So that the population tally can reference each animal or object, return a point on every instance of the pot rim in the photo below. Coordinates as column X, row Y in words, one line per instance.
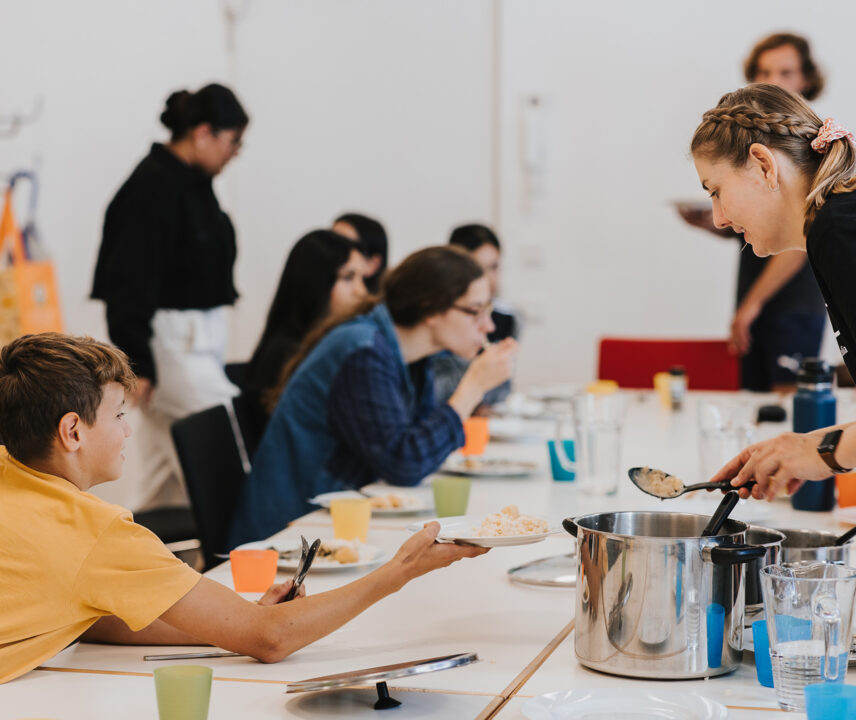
column 772, row 531
column 658, row 538
column 832, row 536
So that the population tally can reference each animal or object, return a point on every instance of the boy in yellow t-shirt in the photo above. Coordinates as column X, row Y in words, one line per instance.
column 76, row 567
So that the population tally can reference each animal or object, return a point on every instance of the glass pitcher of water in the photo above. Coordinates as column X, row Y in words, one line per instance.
column 809, row 609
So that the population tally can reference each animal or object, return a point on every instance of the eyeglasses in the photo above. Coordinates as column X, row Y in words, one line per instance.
column 478, row 313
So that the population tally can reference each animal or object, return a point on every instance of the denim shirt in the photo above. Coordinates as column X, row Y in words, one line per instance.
column 353, row 413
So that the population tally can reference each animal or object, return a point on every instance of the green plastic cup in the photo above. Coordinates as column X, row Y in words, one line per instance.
column 183, row 692
column 451, row 495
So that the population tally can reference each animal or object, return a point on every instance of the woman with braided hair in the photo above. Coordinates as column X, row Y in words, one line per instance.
column 779, row 310
column 784, row 178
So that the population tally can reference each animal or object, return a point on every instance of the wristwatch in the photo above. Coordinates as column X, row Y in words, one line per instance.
column 826, row 450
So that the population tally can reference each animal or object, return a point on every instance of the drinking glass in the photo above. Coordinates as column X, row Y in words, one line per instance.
column 253, row 570
column 809, row 610
column 451, row 495
column 597, row 421
column 724, row 430
column 183, row 691
column 351, row 518
column 476, row 435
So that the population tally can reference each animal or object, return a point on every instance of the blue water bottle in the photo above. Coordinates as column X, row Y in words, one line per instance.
column 814, row 407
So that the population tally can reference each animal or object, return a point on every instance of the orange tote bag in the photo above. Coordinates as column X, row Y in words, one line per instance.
column 29, row 301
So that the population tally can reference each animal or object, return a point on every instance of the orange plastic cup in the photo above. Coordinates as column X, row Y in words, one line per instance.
column 253, row 570
column 476, row 435
column 846, row 484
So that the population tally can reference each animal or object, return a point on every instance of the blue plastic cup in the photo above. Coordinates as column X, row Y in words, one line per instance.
column 559, row 473
column 715, row 634
column 830, row 701
column 763, row 665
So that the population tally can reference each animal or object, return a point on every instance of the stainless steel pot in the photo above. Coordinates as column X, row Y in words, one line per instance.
column 771, row 540
column 654, row 599
column 813, row 545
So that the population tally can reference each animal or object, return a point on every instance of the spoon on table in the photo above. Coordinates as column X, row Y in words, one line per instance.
column 646, row 479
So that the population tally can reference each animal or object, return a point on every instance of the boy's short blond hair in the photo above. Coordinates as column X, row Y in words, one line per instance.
column 45, row 376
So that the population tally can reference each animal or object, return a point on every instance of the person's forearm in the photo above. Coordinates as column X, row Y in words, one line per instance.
column 775, row 275
column 271, row 632
column 845, row 453
column 465, row 399
column 110, row 629
column 301, row 623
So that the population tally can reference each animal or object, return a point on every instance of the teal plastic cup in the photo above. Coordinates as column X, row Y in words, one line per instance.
column 183, row 692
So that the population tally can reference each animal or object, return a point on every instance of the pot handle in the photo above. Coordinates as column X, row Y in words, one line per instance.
column 736, row 554
column 570, row 526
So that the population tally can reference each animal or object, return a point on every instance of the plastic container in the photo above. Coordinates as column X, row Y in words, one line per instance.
column 814, row 407
column 677, row 386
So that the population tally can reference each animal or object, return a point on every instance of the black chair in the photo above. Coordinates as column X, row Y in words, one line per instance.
column 251, row 421
column 215, row 468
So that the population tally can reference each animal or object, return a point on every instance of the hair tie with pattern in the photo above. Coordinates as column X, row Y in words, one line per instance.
column 829, row 132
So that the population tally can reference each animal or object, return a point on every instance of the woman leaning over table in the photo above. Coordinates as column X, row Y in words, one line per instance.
column 785, row 179
column 165, row 273
column 359, row 400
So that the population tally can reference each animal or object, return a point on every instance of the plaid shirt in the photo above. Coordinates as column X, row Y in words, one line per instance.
column 353, row 413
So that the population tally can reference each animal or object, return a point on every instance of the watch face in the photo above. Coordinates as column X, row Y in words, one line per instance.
column 829, row 442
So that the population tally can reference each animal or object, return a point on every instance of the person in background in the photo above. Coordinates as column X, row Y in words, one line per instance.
column 483, row 245
column 780, row 310
column 785, row 179
column 164, row 271
column 358, row 403
column 372, row 237
column 77, row 568
column 322, row 277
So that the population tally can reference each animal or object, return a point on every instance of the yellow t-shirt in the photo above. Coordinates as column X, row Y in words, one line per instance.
column 68, row 558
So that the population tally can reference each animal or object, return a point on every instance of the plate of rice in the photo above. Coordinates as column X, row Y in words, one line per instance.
column 500, row 529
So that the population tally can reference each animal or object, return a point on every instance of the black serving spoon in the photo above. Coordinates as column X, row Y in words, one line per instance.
column 640, row 477
column 720, row 515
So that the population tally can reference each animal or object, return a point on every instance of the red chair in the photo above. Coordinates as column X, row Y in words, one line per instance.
column 633, row 362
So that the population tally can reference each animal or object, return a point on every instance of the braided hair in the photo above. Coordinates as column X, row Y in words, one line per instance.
column 781, row 120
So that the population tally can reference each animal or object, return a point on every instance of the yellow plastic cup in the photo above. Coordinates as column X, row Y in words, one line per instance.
column 183, row 691
column 351, row 518
column 602, row 387
column 663, row 388
column 253, row 570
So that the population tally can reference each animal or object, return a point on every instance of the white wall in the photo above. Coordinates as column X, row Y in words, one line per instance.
column 386, row 106
column 599, row 250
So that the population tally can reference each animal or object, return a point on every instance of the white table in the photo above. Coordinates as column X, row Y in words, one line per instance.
column 523, row 635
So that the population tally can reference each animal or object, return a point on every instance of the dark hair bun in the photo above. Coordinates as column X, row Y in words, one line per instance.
column 177, row 111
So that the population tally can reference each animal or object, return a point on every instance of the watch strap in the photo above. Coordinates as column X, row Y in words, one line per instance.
column 826, row 450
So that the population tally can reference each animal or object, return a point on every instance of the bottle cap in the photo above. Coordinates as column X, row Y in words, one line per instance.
column 814, row 371
column 677, row 370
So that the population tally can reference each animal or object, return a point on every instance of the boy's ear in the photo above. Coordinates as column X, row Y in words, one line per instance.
column 68, row 429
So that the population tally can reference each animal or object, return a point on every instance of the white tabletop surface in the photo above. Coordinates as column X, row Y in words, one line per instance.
column 471, row 606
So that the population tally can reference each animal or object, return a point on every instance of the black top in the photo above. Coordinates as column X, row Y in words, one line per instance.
column 799, row 294
column 166, row 245
column 831, row 247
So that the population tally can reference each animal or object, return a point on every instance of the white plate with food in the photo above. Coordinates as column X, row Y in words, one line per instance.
column 384, row 501
column 502, row 529
column 333, row 554
column 488, row 467
column 629, row 703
